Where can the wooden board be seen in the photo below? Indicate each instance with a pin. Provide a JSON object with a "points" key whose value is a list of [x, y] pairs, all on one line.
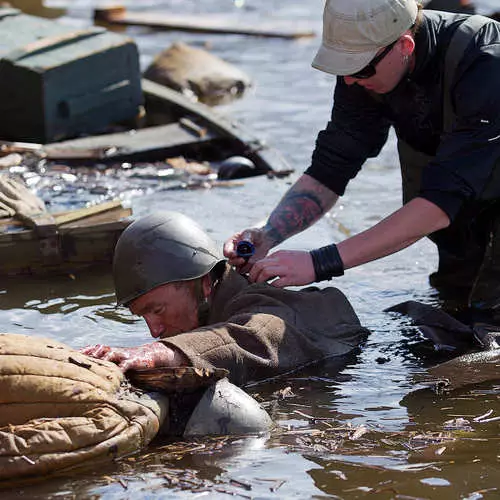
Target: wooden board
{"points": [[127, 144], [108, 211], [266, 158], [84, 238], [37, 8], [194, 125], [196, 23]]}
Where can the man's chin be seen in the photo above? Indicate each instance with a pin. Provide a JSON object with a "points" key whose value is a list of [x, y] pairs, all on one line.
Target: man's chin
{"points": [[167, 335]]}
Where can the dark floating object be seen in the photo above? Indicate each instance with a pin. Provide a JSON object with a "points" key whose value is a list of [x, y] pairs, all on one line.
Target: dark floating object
{"points": [[236, 167]]}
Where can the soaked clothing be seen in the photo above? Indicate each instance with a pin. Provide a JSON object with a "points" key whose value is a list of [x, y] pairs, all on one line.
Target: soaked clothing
{"points": [[462, 176], [258, 331]]}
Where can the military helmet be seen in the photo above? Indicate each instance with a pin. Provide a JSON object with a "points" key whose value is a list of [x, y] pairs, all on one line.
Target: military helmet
{"points": [[158, 249]]}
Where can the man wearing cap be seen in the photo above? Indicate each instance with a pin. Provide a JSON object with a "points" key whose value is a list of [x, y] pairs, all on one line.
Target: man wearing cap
{"points": [[203, 313], [435, 77]]}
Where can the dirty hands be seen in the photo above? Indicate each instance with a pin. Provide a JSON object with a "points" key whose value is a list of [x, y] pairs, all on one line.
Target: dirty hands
{"points": [[261, 242], [151, 355], [284, 267]]}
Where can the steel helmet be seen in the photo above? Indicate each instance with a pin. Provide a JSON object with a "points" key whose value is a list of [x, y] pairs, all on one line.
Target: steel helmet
{"points": [[158, 249]]}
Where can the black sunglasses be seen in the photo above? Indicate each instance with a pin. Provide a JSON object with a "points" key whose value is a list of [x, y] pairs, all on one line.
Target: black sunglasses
{"points": [[370, 69]]}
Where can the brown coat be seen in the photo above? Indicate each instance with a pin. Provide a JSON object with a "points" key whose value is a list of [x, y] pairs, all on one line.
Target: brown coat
{"points": [[258, 331]]}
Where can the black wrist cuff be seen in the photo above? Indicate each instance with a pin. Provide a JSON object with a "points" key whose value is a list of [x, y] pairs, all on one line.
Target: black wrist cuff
{"points": [[327, 262]]}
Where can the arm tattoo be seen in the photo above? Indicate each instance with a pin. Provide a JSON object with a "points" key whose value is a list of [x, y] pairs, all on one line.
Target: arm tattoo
{"points": [[297, 211]]}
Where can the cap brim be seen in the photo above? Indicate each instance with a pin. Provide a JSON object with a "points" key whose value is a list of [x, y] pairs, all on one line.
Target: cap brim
{"points": [[341, 63]]}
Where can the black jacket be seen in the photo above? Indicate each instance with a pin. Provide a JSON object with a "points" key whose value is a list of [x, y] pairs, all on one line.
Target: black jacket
{"points": [[465, 159]]}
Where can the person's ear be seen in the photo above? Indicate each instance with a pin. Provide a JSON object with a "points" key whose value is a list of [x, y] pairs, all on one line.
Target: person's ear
{"points": [[206, 285], [407, 45]]}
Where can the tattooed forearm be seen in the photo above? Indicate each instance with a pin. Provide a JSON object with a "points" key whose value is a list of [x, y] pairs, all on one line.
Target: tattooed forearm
{"points": [[304, 204]]}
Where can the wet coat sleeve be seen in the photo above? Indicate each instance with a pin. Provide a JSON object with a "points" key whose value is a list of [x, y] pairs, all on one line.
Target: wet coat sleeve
{"points": [[357, 130], [463, 169], [270, 333]]}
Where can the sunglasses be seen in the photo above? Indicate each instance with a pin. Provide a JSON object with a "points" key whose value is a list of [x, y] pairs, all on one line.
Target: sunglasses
{"points": [[370, 69]]}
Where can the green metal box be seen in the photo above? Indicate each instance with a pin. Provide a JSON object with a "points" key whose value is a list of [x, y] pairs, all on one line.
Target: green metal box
{"points": [[57, 82]]}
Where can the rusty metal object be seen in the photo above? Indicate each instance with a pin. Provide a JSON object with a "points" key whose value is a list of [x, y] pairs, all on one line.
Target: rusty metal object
{"points": [[176, 379]]}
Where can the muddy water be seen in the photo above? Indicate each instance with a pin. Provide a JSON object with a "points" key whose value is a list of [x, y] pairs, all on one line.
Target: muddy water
{"points": [[411, 447]]}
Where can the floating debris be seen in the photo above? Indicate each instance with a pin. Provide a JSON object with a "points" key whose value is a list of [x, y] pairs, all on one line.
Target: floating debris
{"points": [[283, 393]]}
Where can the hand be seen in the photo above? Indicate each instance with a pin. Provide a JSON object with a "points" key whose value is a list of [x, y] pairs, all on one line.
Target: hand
{"points": [[152, 355], [257, 236], [289, 267]]}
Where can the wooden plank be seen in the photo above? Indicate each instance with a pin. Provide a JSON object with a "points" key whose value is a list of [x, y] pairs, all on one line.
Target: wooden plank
{"points": [[80, 248], [115, 214], [98, 230], [8, 147], [103, 212], [99, 227], [266, 158], [122, 144], [37, 8], [199, 24], [43, 223], [83, 213]]}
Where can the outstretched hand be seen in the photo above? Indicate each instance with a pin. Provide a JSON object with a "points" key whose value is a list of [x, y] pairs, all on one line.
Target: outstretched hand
{"points": [[285, 268], [152, 355]]}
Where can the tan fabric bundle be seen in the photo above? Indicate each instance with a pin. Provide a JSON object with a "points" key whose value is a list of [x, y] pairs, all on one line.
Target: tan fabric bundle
{"points": [[16, 199], [197, 72], [60, 409]]}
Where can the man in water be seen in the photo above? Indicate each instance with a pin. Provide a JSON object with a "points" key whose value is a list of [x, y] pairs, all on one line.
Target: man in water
{"points": [[203, 313]]}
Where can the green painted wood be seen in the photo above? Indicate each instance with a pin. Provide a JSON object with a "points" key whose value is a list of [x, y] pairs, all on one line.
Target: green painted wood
{"points": [[57, 82]]}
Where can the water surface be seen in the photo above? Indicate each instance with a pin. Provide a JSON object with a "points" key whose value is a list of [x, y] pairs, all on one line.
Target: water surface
{"points": [[304, 458]]}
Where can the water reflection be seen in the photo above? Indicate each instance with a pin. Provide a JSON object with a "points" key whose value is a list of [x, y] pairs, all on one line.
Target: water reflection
{"points": [[55, 294]]}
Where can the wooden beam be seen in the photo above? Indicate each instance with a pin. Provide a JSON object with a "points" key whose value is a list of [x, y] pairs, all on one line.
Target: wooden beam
{"points": [[266, 158], [68, 218], [83, 213], [43, 223], [118, 15], [123, 144]]}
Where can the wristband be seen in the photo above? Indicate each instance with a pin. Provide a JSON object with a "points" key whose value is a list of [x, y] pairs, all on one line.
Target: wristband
{"points": [[327, 262]]}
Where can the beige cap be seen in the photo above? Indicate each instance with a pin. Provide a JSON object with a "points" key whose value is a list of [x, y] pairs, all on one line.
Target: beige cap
{"points": [[355, 30]]}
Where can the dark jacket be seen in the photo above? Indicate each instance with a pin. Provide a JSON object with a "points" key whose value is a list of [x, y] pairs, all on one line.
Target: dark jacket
{"points": [[462, 170], [258, 331]]}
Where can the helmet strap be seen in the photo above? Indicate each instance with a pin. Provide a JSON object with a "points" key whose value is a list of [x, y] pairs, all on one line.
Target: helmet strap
{"points": [[203, 306], [214, 276]]}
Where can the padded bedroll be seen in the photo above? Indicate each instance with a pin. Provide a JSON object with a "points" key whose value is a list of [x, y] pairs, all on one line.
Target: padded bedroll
{"points": [[60, 409]]}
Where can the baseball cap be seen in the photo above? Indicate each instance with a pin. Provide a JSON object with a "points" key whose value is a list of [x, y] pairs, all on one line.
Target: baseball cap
{"points": [[355, 30]]}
